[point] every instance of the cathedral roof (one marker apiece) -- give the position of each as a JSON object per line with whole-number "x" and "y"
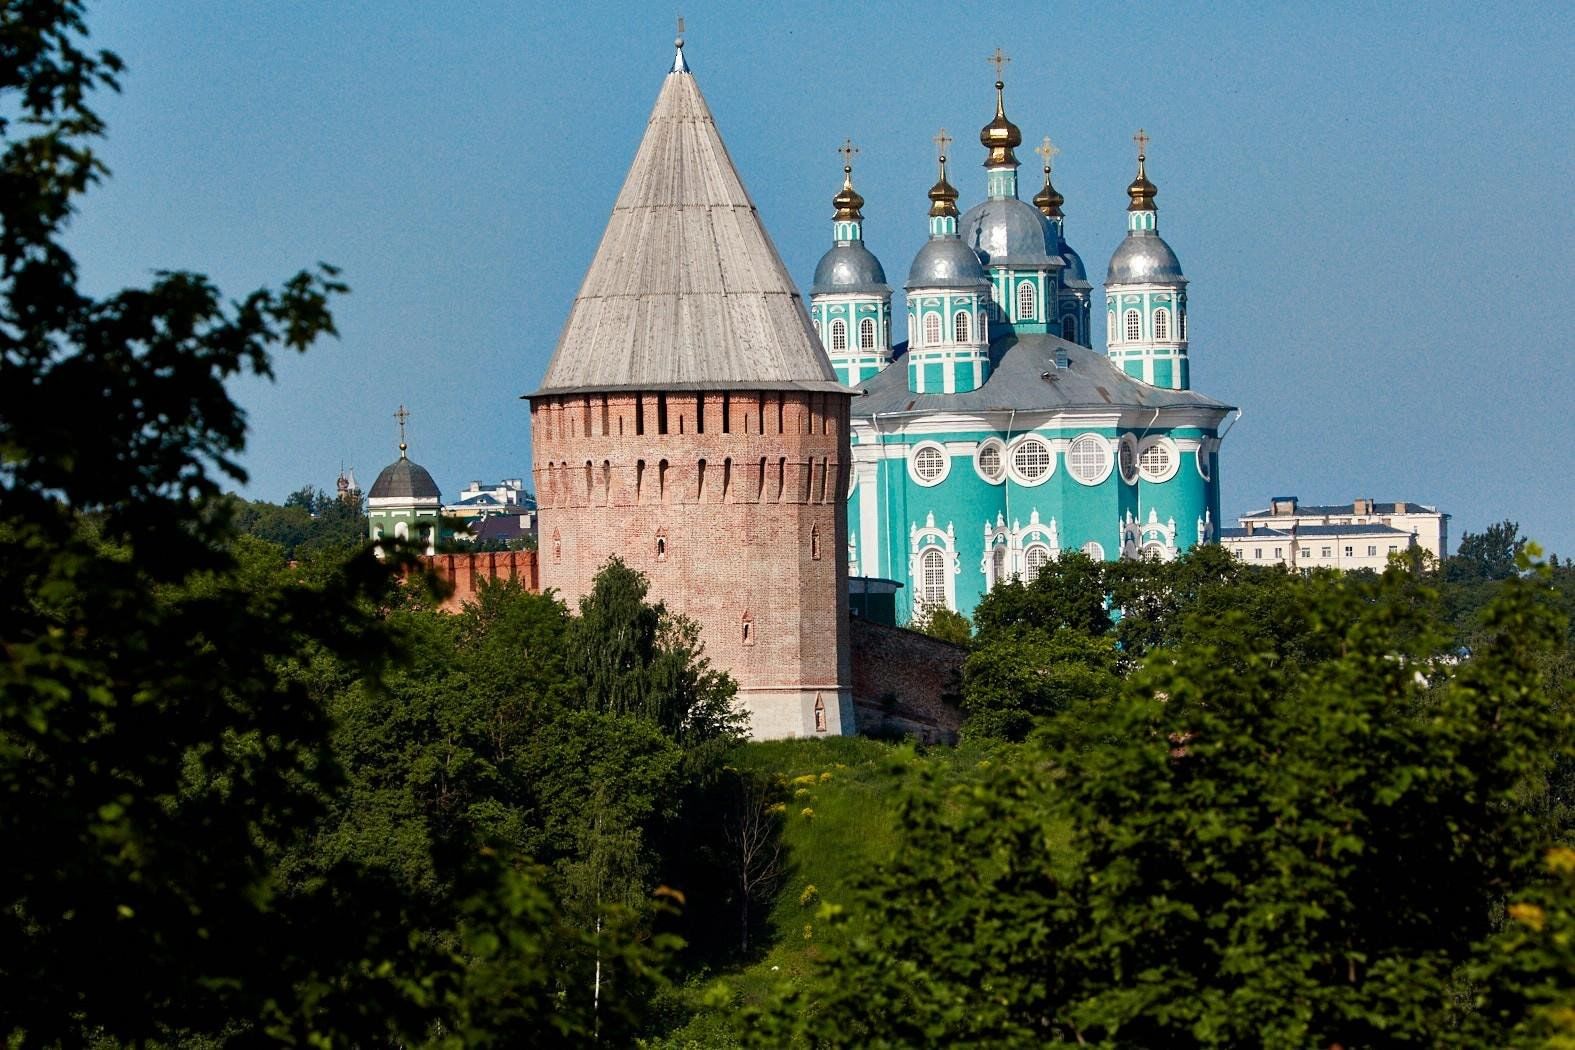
{"x": 686, "y": 290}
{"x": 1144, "y": 258}
{"x": 1009, "y": 232}
{"x": 946, "y": 262}
{"x": 1018, "y": 381}
{"x": 849, "y": 268}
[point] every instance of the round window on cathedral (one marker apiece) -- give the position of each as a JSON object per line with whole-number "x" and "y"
{"x": 1089, "y": 459}
{"x": 929, "y": 464}
{"x": 988, "y": 462}
{"x": 1158, "y": 459}
{"x": 1032, "y": 461}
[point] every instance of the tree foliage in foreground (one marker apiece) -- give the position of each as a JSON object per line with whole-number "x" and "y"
{"x": 1274, "y": 840}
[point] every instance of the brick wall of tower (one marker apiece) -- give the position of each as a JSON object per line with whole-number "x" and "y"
{"x": 734, "y": 505}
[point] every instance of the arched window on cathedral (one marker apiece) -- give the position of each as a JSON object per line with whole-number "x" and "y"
{"x": 1025, "y": 301}
{"x": 998, "y": 565}
{"x": 867, "y": 334}
{"x": 962, "y": 331}
{"x": 1069, "y": 328}
{"x": 932, "y": 578}
{"x": 932, "y": 329}
{"x": 1134, "y": 326}
{"x": 1161, "y": 324}
{"x": 1181, "y": 323}
{"x": 1034, "y": 559}
{"x": 839, "y": 335}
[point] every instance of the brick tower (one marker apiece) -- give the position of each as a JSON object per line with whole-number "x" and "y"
{"x": 691, "y": 424}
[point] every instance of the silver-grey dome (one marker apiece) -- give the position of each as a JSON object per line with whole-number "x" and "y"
{"x": 849, "y": 268}
{"x": 404, "y": 480}
{"x": 946, "y": 263}
{"x": 1144, "y": 258}
{"x": 1074, "y": 264}
{"x": 1010, "y": 232}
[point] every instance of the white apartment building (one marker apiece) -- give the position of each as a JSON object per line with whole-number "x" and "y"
{"x": 1428, "y": 524}
{"x": 1317, "y": 546}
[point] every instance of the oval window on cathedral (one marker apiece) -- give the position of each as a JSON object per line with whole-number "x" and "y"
{"x": 1032, "y": 461}
{"x": 1088, "y": 458}
{"x": 1126, "y": 454}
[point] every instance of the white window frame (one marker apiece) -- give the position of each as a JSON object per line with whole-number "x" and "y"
{"x": 1132, "y": 318}
{"x": 1027, "y": 293}
{"x": 1109, "y": 459}
{"x": 1200, "y": 458}
{"x": 1094, "y": 549}
{"x": 1000, "y": 449}
{"x": 1011, "y": 461}
{"x": 1162, "y": 324}
{"x": 962, "y": 327}
{"x": 839, "y": 334}
{"x": 1172, "y": 463}
{"x": 933, "y": 328}
{"x": 867, "y": 334}
{"x": 913, "y": 463}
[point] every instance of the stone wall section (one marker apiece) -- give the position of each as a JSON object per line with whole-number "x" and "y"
{"x": 466, "y": 572}
{"x": 734, "y": 505}
{"x": 906, "y": 683}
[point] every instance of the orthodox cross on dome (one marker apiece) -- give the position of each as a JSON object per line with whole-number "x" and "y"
{"x": 848, "y": 151}
{"x": 999, "y": 61}
{"x": 1142, "y": 140}
{"x": 1047, "y": 150}
{"x": 402, "y": 415}
{"x": 942, "y": 140}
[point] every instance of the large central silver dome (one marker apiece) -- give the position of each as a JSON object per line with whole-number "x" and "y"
{"x": 849, "y": 268}
{"x": 1144, "y": 258}
{"x": 946, "y": 263}
{"x": 1009, "y": 232}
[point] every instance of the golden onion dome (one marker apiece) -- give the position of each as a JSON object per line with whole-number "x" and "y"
{"x": 1049, "y": 200}
{"x": 847, "y": 201}
{"x": 1000, "y": 135}
{"x": 943, "y": 195}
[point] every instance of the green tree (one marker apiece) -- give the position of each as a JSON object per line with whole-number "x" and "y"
{"x": 162, "y": 748}
{"x": 1068, "y": 592}
{"x": 942, "y": 623}
{"x": 1486, "y": 555}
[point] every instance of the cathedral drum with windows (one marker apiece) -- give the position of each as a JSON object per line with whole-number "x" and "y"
{"x": 996, "y": 438}
{"x": 690, "y": 423}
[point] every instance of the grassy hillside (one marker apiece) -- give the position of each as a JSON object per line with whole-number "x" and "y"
{"x": 844, "y": 793}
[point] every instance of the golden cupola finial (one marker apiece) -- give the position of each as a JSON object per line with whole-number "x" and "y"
{"x": 943, "y": 195}
{"x": 1048, "y": 200}
{"x": 1000, "y": 135}
{"x": 847, "y": 201}
{"x": 1142, "y": 191}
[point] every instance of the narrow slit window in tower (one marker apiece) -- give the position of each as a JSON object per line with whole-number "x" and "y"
{"x": 661, "y": 413}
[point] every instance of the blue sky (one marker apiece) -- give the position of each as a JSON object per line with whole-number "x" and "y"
{"x": 1371, "y": 204}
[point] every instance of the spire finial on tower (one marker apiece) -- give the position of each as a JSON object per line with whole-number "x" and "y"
{"x": 847, "y": 201}
{"x": 401, "y": 416}
{"x": 1141, "y": 190}
{"x": 679, "y": 65}
{"x": 943, "y": 197}
{"x": 1047, "y": 200}
{"x": 1000, "y": 135}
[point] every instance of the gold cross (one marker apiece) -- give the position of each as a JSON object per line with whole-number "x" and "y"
{"x": 402, "y": 415}
{"x": 998, "y": 60}
{"x": 848, "y": 151}
{"x": 1142, "y": 140}
{"x": 942, "y": 140}
{"x": 1047, "y": 150}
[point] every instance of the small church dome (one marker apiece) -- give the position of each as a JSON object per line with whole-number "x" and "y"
{"x": 1075, "y": 271}
{"x": 849, "y": 268}
{"x": 1143, "y": 258}
{"x": 946, "y": 263}
{"x": 1007, "y": 231}
{"x": 403, "y": 479}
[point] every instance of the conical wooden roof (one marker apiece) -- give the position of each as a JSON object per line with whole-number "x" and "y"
{"x": 686, "y": 290}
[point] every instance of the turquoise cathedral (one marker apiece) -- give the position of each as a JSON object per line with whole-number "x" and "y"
{"x": 995, "y": 438}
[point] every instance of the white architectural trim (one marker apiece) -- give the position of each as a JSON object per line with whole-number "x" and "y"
{"x": 1105, "y": 469}
{"x": 929, "y": 538}
{"x": 913, "y": 463}
{"x": 1017, "y": 446}
{"x": 1172, "y": 462}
